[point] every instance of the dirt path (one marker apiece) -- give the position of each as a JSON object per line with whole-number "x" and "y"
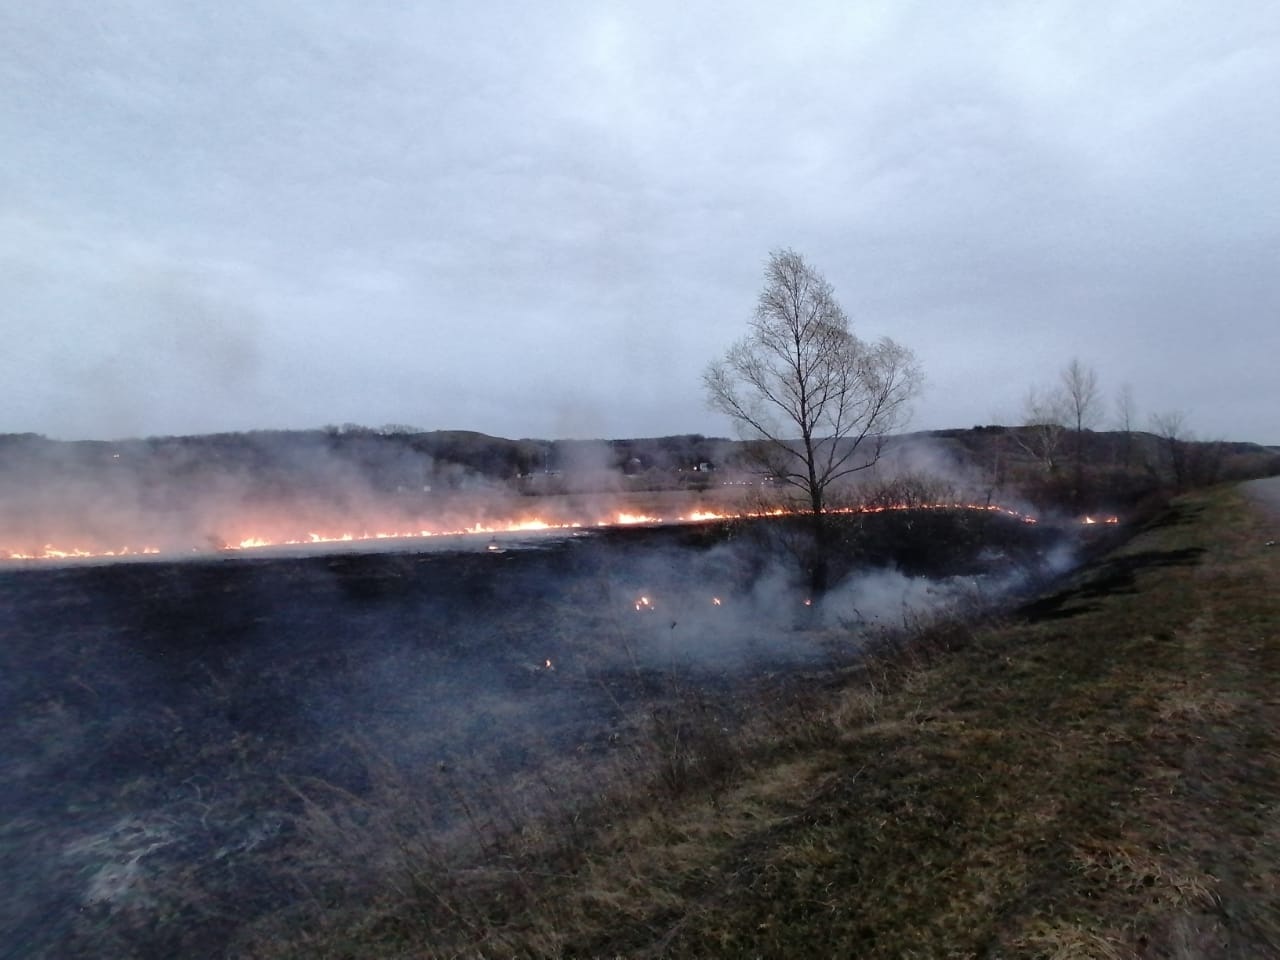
{"x": 1265, "y": 492}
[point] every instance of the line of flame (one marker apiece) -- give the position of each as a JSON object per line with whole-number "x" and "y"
{"x": 523, "y": 525}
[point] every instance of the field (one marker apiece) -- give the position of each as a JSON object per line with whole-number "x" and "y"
{"x": 202, "y": 757}
{"x": 1095, "y": 776}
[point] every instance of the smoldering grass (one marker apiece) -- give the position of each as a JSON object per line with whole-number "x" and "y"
{"x": 457, "y": 859}
{"x": 384, "y": 837}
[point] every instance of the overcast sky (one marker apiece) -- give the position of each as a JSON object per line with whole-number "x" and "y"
{"x": 546, "y": 219}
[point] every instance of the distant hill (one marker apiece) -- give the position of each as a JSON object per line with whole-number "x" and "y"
{"x": 274, "y": 463}
{"x": 331, "y": 462}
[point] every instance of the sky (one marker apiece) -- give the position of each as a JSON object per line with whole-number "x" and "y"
{"x": 545, "y": 220}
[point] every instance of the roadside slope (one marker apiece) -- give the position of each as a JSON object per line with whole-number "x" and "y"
{"x": 1098, "y": 778}
{"x": 1102, "y": 781}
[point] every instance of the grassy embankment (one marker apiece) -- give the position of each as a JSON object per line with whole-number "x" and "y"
{"x": 1099, "y": 778}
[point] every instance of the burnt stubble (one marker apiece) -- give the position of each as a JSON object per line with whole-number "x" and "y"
{"x": 168, "y": 725}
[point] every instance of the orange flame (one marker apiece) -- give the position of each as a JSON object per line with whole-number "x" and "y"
{"x": 50, "y": 552}
{"x": 521, "y": 524}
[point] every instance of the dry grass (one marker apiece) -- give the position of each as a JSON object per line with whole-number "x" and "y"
{"x": 1103, "y": 781}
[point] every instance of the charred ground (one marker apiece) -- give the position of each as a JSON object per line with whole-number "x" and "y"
{"x": 167, "y": 724}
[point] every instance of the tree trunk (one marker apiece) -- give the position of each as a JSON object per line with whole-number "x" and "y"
{"x": 820, "y": 564}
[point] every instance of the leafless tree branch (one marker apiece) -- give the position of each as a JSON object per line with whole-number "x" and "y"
{"x": 817, "y": 399}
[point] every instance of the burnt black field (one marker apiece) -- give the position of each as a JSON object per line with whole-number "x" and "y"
{"x": 166, "y": 724}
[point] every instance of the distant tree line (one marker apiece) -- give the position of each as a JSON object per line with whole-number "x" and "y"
{"x": 1081, "y": 467}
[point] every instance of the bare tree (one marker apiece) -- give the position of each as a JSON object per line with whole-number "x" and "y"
{"x": 1083, "y": 403}
{"x": 1074, "y": 406}
{"x": 1080, "y": 395}
{"x": 818, "y": 401}
{"x": 1126, "y": 411}
{"x": 1171, "y": 428}
{"x": 1044, "y": 417}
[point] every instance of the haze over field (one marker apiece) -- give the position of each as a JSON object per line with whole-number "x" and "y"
{"x": 545, "y": 221}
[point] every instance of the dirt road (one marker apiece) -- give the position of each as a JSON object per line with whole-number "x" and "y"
{"x": 1266, "y": 492}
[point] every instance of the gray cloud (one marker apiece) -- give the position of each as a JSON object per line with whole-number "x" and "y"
{"x": 538, "y": 221}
